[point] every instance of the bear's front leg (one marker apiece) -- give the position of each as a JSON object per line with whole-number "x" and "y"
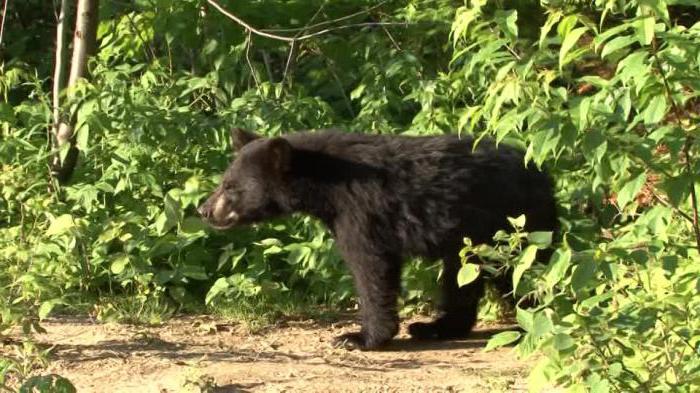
{"x": 377, "y": 281}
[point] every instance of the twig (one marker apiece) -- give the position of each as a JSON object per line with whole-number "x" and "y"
{"x": 2, "y": 22}
{"x": 346, "y": 100}
{"x": 328, "y": 22}
{"x": 391, "y": 37}
{"x": 674, "y": 208}
{"x": 247, "y": 58}
{"x": 686, "y": 147}
{"x": 287, "y": 66}
{"x": 268, "y": 67}
{"x": 147, "y": 49}
{"x": 293, "y": 44}
{"x": 262, "y": 33}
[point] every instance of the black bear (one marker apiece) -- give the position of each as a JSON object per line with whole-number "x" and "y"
{"x": 386, "y": 198}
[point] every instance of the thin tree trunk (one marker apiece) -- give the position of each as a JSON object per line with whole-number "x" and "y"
{"x": 84, "y": 45}
{"x": 59, "y": 71}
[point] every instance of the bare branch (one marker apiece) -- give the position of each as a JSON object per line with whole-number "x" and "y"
{"x": 248, "y": 44}
{"x": 2, "y": 22}
{"x": 328, "y": 22}
{"x": 686, "y": 147}
{"x": 59, "y": 71}
{"x": 297, "y": 38}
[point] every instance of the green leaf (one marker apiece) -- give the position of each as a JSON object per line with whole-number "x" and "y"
{"x": 193, "y": 225}
{"x": 518, "y": 222}
{"x": 196, "y": 272}
{"x": 524, "y": 263}
{"x": 645, "y": 29}
{"x": 677, "y": 189}
{"x": 60, "y": 225}
{"x": 541, "y": 239}
{"x": 570, "y": 40}
{"x": 630, "y": 190}
{"x": 502, "y": 339}
{"x": 541, "y": 325}
{"x": 656, "y": 110}
{"x": 468, "y": 273}
{"x": 508, "y": 22}
{"x": 119, "y": 264}
{"x": 217, "y": 289}
{"x": 47, "y": 306}
{"x": 616, "y": 44}
{"x": 552, "y": 19}
{"x": 525, "y": 319}
{"x": 583, "y": 274}
{"x": 558, "y": 265}
{"x": 562, "y": 341}
{"x": 82, "y": 137}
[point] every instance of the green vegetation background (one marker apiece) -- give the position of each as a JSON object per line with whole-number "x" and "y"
{"x": 602, "y": 93}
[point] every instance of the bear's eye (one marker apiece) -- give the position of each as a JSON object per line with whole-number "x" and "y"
{"x": 233, "y": 192}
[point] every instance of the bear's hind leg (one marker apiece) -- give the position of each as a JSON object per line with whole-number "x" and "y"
{"x": 459, "y": 308}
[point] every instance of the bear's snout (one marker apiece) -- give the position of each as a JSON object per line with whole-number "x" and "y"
{"x": 217, "y": 211}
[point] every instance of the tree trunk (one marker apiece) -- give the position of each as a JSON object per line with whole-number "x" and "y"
{"x": 59, "y": 71}
{"x": 84, "y": 45}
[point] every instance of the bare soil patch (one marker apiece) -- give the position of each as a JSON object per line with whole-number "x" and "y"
{"x": 293, "y": 356}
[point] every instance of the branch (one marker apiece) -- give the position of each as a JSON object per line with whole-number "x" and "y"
{"x": 328, "y": 22}
{"x": 263, "y": 33}
{"x": 669, "y": 205}
{"x": 686, "y": 147}
{"x": 59, "y": 71}
{"x": 147, "y": 48}
{"x": 2, "y": 22}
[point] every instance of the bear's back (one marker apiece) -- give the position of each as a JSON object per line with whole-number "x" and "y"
{"x": 431, "y": 191}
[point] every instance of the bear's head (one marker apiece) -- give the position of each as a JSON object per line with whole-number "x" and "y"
{"x": 251, "y": 188}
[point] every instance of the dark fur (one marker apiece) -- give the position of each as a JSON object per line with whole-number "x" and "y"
{"x": 386, "y": 198}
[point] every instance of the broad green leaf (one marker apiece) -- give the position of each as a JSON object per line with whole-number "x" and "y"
{"x": 524, "y": 263}
{"x": 541, "y": 324}
{"x": 119, "y": 264}
{"x": 518, "y": 222}
{"x": 502, "y": 339}
{"x": 82, "y": 137}
{"x": 616, "y": 44}
{"x": 645, "y": 29}
{"x": 525, "y": 319}
{"x": 193, "y": 225}
{"x": 220, "y": 285}
{"x": 558, "y": 265}
{"x": 196, "y": 272}
{"x": 552, "y": 19}
{"x": 507, "y": 20}
{"x": 677, "y": 189}
{"x": 541, "y": 239}
{"x": 562, "y": 341}
{"x": 583, "y": 274}
{"x": 60, "y": 225}
{"x": 468, "y": 273}
{"x": 630, "y": 190}
{"x": 47, "y": 306}
{"x": 570, "y": 40}
{"x": 656, "y": 110}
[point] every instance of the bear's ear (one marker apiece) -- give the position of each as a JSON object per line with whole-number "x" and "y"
{"x": 280, "y": 154}
{"x": 241, "y": 137}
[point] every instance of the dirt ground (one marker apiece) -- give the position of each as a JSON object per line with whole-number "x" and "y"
{"x": 202, "y": 354}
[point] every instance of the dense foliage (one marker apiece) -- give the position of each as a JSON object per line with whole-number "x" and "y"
{"x": 604, "y": 94}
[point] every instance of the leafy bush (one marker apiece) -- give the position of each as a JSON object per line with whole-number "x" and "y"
{"x": 606, "y": 96}
{"x": 603, "y": 94}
